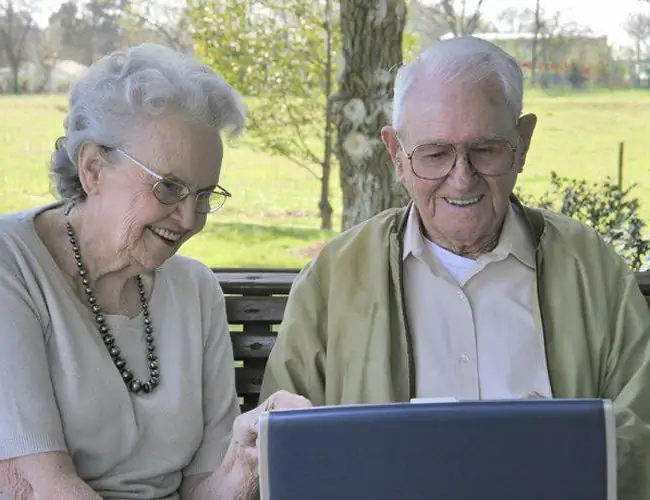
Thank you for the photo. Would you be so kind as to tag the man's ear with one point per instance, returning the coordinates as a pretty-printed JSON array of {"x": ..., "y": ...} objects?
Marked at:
[
  {"x": 90, "y": 163},
  {"x": 389, "y": 138},
  {"x": 526, "y": 128}
]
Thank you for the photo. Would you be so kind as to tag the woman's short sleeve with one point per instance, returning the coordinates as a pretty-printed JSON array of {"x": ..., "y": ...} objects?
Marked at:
[{"x": 29, "y": 417}]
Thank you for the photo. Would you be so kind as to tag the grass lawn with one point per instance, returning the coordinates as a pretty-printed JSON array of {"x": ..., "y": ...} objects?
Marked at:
[{"x": 272, "y": 219}]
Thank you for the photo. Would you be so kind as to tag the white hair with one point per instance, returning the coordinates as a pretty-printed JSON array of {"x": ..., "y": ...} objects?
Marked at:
[
  {"x": 143, "y": 81},
  {"x": 461, "y": 59}
]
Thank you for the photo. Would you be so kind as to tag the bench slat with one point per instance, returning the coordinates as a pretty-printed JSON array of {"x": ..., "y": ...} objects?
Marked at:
[
  {"x": 248, "y": 380},
  {"x": 247, "y": 346},
  {"x": 272, "y": 281},
  {"x": 255, "y": 309},
  {"x": 248, "y": 406},
  {"x": 255, "y": 282}
]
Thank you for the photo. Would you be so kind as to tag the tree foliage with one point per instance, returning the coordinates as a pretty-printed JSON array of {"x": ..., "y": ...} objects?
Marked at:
[
  {"x": 282, "y": 54},
  {"x": 613, "y": 212}
]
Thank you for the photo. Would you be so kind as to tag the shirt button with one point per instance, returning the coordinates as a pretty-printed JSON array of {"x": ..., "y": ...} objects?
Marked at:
[
  {"x": 464, "y": 358},
  {"x": 461, "y": 296}
]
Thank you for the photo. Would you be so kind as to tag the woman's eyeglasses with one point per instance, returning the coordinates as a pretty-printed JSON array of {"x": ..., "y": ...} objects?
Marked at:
[{"x": 169, "y": 191}]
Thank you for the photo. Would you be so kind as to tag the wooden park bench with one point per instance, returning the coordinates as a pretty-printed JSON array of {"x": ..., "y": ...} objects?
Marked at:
[{"x": 255, "y": 301}]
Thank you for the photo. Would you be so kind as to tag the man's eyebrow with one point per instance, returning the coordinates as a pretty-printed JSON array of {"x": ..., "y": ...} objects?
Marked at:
[
  {"x": 480, "y": 140},
  {"x": 433, "y": 142},
  {"x": 447, "y": 142}
]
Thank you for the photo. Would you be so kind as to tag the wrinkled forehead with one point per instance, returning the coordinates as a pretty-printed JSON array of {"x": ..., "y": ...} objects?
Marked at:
[
  {"x": 179, "y": 148},
  {"x": 174, "y": 132},
  {"x": 456, "y": 110}
]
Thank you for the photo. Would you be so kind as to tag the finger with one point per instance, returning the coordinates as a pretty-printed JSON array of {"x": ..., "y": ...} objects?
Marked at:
[
  {"x": 245, "y": 429},
  {"x": 283, "y": 400},
  {"x": 246, "y": 425}
]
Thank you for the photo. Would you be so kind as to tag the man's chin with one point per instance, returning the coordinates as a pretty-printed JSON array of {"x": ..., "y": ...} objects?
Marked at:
[{"x": 462, "y": 234}]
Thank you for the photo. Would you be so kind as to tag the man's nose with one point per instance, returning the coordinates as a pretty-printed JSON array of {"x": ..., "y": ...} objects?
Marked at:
[{"x": 462, "y": 175}]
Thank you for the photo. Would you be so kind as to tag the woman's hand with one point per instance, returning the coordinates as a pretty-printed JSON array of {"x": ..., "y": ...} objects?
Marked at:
[
  {"x": 246, "y": 427},
  {"x": 237, "y": 478},
  {"x": 243, "y": 460}
]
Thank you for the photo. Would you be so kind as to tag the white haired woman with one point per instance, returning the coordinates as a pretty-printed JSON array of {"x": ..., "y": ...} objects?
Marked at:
[{"x": 116, "y": 364}]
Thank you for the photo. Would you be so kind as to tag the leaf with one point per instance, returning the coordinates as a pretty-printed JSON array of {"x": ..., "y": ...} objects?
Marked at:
[{"x": 612, "y": 212}]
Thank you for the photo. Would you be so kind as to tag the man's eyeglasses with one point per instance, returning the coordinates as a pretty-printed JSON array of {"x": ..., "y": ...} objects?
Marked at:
[
  {"x": 488, "y": 157},
  {"x": 169, "y": 192}
]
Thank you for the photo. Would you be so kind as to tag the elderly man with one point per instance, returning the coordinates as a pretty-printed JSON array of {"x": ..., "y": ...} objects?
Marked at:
[{"x": 466, "y": 293}]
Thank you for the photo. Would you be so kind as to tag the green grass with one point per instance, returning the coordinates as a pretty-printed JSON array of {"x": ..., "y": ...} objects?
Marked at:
[
  {"x": 272, "y": 219},
  {"x": 578, "y": 136}
]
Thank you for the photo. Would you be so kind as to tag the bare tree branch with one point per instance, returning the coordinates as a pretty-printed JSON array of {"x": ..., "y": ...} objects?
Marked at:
[
  {"x": 277, "y": 146},
  {"x": 637, "y": 27},
  {"x": 171, "y": 31},
  {"x": 16, "y": 22},
  {"x": 457, "y": 21},
  {"x": 299, "y": 134},
  {"x": 299, "y": 162},
  {"x": 167, "y": 22},
  {"x": 472, "y": 22}
]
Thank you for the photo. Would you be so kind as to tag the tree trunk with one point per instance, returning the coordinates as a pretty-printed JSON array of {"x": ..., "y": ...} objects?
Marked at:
[
  {"x": 371, "y": 33},
  {"x": 15, "y": 76},
  {"x": 639, "y": 53},
  {"x": 324, "y": 204},
  {"x": 15, "y": 62},
  {"x": 538, "y": 25}
]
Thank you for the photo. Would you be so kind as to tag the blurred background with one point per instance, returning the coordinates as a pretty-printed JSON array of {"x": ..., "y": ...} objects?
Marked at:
[{"x": 310, "y": 162}]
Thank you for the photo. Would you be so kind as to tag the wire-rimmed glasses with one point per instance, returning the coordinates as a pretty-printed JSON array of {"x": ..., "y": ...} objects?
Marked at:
[
  {"x": 169, "y": 191},
  {"x": 488, "y": 157}
]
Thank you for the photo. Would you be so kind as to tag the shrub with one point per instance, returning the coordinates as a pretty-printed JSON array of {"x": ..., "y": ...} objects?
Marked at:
[{"x": 611, "y": 211}]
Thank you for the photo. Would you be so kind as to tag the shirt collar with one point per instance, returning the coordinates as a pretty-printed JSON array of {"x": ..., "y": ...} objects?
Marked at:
[
  {"x": 514, "y": 238},
  {"x": 413, "y": 238}
]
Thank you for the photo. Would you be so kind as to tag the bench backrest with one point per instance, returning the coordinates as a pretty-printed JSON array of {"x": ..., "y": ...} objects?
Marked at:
[{"x": 255, "y": 301}]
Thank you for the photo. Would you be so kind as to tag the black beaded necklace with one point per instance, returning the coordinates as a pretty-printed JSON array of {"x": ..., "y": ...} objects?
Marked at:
[{"x": 133, "y": 384}]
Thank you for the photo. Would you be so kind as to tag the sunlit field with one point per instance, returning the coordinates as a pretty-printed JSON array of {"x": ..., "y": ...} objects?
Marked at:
[{"x": 272, "y": 219}]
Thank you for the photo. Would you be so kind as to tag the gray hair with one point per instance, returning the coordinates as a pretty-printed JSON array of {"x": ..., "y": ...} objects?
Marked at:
[
  {"x": 462, "y": 59},
  {"x": 143, "y": 81}
]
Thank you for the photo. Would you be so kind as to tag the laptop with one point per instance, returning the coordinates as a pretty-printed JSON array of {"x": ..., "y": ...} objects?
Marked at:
[{"x": 540, "y": 449}]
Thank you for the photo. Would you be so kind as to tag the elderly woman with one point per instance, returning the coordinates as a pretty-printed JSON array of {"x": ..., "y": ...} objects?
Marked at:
[{"x": 116, "y": 367}]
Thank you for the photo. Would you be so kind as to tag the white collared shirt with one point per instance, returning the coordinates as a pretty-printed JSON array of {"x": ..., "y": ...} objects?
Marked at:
[{"x": 475, "y": 323}]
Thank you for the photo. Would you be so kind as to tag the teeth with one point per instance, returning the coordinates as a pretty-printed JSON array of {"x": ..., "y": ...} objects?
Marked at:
[
  {"x": 463, "y": 203},
  {"x": 166, "y": 233}
]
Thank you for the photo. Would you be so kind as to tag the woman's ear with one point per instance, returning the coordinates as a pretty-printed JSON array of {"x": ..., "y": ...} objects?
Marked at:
[{"x": 90, "y": 162}]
